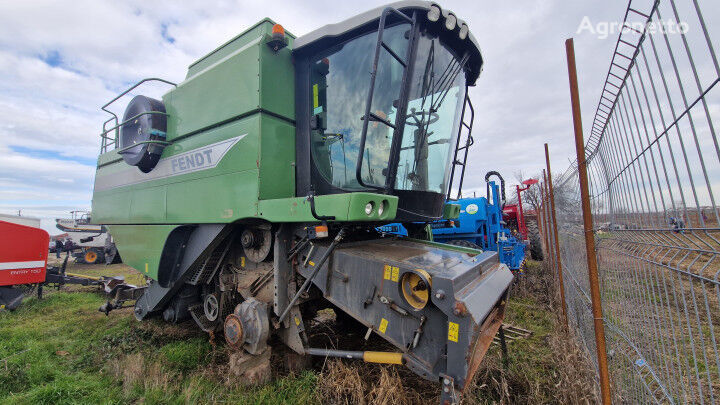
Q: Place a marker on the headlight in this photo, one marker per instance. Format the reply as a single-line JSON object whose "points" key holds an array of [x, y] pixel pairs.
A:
{"points": [[434, 13], [463, 31], [369, 208], [415, 287], [450, 22], [381, 208]]}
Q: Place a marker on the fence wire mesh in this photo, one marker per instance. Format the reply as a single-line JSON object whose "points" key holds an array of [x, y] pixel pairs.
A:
{"points": [[653, 164]]}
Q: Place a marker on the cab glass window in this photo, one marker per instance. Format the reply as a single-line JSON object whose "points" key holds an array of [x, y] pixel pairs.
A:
{"points": [[339, 84]]}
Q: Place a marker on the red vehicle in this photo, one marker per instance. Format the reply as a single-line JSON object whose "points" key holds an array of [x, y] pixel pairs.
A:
{"points": [[23, 261], [514, 217]]}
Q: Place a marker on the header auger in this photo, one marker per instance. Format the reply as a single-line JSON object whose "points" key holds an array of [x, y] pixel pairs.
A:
{"points": [[250, 193]]}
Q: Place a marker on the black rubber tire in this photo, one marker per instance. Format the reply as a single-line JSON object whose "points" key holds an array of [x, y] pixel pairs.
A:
{"points": [[464, 243], [99, 256], [142, 129], [536, 252]]}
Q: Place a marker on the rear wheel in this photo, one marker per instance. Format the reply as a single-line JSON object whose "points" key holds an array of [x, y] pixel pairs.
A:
{"points": [[92, 256], [536, 252], [464, 243]]}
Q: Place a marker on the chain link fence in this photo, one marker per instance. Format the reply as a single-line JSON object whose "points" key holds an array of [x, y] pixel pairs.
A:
{"points": [[653, 163]]}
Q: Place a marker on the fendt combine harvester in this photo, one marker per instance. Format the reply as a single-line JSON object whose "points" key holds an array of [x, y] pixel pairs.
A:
{"points": [[251, 192]]}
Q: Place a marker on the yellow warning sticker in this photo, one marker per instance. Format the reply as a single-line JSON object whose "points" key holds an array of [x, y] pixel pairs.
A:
{"points": [[391, 273], [316, 102], [146, 268], [453, 331], [312, 263], [297, 321], [242, 261], [383, 325]]}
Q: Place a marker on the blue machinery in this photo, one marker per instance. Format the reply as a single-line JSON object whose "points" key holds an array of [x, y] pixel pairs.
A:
{"points": [[479, 225]]}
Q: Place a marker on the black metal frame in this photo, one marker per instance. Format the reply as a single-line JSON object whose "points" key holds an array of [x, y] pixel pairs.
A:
{"points": [[468, 143], [105, 143], [398, 127]]}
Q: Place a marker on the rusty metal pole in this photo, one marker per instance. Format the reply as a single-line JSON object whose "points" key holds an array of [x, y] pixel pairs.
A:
{"points": [[545, 221], [548, 236], [588, 225], [553, 218]]}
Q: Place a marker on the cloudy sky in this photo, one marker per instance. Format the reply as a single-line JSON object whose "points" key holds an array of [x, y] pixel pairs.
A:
{"points": [[60, 61]]}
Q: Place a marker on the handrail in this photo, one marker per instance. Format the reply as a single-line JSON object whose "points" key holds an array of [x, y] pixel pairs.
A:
{"points": [[104, 108], [125, 149], [133, 118], [104, 144]]}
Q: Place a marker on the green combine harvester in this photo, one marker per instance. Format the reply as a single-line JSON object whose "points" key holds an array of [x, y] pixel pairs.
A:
{"points": [[251, 193]]}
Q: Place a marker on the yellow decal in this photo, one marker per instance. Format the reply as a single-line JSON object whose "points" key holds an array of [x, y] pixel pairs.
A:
{"points": [[316, 103], [146, 268], [391, 273], [242, 261], [297, 321], [383, 325], [312, 263], [453, 330]]}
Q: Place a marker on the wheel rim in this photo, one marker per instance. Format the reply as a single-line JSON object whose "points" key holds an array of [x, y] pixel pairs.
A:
{"points": [[90, 256], [211, 307]]}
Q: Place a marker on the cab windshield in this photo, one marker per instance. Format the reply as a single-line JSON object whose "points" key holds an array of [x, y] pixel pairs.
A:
{"points": [[340, 84]]}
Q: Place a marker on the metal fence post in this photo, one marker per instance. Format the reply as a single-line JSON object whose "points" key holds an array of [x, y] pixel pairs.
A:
{"points": [[553, 217], [546, 218], [588, 225], [542, 220]]}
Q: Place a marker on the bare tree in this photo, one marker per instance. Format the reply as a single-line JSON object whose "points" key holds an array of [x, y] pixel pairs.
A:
{"points": [[530, 196]]}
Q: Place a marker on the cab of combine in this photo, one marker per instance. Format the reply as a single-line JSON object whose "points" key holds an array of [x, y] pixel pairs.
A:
{"points": [[250, 193]]}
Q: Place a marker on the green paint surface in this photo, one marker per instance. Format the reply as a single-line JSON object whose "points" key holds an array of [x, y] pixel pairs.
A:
{"points": [[242, 90], [141, 245]]}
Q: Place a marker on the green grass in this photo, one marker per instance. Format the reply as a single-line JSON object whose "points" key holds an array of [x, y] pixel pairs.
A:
{"points": [[61, 350]]}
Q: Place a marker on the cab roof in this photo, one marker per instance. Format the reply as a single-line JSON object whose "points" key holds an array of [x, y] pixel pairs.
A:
{"points": [[331, 34]]}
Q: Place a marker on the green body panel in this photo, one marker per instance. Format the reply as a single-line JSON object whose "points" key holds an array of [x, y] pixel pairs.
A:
{"points": [[218, 94], [232, 156], [344, 207], [261, 28], [277, 159], [141, 248], [141, 245], [175, 198], [109, 157]]}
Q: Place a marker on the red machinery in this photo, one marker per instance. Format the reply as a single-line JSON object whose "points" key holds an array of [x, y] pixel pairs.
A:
{"points": [[513, 213], [23, 260], [23, 267]]}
